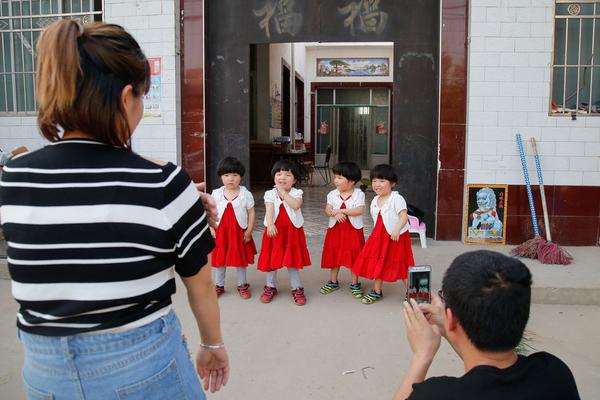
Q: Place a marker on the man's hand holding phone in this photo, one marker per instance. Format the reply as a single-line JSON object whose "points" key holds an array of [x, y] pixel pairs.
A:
{"points": [[435, 313]]}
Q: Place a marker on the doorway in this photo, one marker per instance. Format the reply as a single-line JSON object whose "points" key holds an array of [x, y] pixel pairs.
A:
{"points": [[354, 123]]}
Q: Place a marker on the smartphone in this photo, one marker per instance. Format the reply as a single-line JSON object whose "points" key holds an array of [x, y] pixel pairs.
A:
{"points": [[419, 283]]}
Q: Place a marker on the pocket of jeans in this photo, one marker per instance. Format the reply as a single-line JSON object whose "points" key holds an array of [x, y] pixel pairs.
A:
{"points": [[166, 384], [36, 394]]}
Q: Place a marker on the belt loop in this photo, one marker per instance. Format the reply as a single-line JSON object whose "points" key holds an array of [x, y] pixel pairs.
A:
{"points": [[165, 323]]}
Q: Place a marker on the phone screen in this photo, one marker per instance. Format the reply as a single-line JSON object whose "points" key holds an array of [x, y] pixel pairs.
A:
{"points": [[419, 287]]}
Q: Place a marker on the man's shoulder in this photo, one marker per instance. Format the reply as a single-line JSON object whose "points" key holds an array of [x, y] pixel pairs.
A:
{"points": [[432, 387]]}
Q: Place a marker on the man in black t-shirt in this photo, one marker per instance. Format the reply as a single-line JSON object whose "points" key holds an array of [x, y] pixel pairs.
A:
{"points": [[482, 311]]}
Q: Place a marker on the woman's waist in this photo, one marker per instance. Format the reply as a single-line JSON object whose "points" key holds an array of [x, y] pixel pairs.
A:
{"points": [[112, 339]]}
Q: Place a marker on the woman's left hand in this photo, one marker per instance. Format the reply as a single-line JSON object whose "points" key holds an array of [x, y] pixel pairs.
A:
{"points": [[247, 235], [213, 368]]}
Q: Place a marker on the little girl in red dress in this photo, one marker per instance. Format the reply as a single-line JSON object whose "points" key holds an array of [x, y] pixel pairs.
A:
{"points": [[388, 252], [283, 243], [345, 238], [233, 235]]}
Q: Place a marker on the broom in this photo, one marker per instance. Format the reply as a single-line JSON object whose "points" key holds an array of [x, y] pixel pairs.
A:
{"points": [[530, 247], [548, 252]]}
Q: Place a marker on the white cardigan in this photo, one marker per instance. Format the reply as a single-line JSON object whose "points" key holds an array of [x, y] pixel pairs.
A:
{"points": [[271, 196], [241, 204], [390, 212], [357, 199]]}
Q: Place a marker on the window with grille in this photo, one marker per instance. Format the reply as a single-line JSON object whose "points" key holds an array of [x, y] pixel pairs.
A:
{"points": [[21, 22], [576, 65]]}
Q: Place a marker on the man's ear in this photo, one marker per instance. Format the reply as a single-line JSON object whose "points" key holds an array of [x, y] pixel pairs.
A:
{"points": [[452, 321]]}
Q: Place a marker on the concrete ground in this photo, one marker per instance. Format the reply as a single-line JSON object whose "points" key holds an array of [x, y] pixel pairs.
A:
{"points": [[280, 350]]}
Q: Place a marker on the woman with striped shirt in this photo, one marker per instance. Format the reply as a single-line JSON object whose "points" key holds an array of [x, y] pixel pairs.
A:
{"points": [[96, 233]]}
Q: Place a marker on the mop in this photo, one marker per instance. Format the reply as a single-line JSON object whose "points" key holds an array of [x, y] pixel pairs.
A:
{"points": [[530, 247], [548, 252]]}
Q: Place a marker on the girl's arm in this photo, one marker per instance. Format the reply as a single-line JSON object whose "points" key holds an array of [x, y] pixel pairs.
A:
{"points": [[403, 220], [251, 220], [329, 211], [293, 202], [353, 212], [269, 212]]}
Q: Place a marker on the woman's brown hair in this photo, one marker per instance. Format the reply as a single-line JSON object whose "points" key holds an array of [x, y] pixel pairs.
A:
{"points": [[81, 73]]}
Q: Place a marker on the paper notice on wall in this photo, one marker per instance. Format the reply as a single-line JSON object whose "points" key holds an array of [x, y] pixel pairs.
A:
{"points": [[153, 97]]}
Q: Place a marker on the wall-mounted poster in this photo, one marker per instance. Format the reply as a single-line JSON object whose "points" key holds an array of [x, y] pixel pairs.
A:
{"points": [[486, 213], [153, 97], [353, 67]]}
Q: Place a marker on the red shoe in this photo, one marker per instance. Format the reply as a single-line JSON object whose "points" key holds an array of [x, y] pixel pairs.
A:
{"points": [[299, 297], [244, 291], [268, 294], [220, 290]]}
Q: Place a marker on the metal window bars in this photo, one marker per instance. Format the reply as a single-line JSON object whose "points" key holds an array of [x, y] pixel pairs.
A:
{"points": [[21, 22], [575, 66]]}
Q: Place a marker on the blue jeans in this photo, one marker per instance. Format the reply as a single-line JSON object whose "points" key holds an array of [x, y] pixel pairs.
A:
{"points": [[149, 362]]}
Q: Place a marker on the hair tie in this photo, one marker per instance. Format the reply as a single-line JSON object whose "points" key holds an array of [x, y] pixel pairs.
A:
{"points": [[79, 28]]}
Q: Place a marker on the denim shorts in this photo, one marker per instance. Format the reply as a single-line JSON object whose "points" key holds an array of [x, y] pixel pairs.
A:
{"points": [[149, 362]]}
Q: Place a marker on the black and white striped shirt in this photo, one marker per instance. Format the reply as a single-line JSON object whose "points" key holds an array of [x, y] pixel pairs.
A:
{"points": [[93, 233]]}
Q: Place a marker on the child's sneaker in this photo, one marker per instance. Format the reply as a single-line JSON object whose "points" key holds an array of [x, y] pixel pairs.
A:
{"points": [[244, 291], [372, 297], [220, 290], [268, 294], [299, 297], [356, 291], [329, 287]]}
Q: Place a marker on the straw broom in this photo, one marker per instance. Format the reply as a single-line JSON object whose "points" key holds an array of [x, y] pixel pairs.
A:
{"points": [[548, 252]]}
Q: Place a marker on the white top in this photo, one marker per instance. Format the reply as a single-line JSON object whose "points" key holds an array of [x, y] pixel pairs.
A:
{"points": [[271, 196], [390, 212], [357, 199], [241, 204]]}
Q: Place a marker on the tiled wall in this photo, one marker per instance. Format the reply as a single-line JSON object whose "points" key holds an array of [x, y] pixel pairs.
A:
{"points": [[152, 23], [510, 55], [509, 85]]}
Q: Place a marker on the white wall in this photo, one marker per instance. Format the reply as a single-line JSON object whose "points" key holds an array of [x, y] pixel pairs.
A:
{"points": [[509, 87], [152, 23]]}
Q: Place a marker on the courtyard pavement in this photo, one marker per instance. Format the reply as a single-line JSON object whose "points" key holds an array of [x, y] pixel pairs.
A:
{"points": [[282, 351]]}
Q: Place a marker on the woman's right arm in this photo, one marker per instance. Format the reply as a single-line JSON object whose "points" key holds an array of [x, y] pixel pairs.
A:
{"points": [[212, 364], [269, 213]]}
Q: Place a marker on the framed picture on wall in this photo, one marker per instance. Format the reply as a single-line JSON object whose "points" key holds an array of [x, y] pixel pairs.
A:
{"points": [[485, 214], [353, 67]]}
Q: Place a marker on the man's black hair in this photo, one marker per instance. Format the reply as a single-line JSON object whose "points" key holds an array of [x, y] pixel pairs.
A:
{"points": [[490, 295], [285, 165], [348, 170], [384, 171], [230, 165]]}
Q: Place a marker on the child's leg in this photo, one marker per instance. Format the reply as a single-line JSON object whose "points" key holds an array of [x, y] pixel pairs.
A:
{"points": [[354, 279], [333, 274], [219, 274], [294, 278], [377, 286], [241, 275], [272, 279]]}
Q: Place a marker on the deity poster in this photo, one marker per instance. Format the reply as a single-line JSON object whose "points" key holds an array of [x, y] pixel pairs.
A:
{"points": [[486, 214]]}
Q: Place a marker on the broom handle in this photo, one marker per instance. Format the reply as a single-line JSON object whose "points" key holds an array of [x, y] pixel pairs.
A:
{"points": [[542, 191], [536, 229]]}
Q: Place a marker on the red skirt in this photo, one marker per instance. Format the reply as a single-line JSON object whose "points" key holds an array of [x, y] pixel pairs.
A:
{"points": [[382, 258], [343, 244], [230, 249], [286, 249]]}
